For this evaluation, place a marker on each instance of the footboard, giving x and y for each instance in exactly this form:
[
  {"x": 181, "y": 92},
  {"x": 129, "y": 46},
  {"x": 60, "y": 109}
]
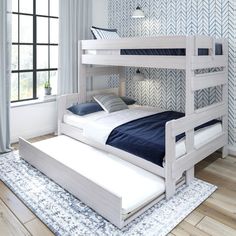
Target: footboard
[{"x": 176, "y": 167}]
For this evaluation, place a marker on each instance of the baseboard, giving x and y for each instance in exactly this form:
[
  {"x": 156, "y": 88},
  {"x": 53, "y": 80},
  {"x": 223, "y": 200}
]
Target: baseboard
[
  {"x": 28, "y": 135},
  {"x": 232, "y": 150}
]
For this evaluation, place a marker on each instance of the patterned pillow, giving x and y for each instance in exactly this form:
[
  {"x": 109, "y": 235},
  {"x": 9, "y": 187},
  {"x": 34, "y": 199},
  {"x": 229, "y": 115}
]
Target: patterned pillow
[
  {"x": 128, "y": 101},
  {"x": 110, "y": 102},
  {"x": 100, "y": 33}
]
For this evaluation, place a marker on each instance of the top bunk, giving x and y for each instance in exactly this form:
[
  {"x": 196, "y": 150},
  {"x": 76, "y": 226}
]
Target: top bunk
[{"x": 169, "y": 52}]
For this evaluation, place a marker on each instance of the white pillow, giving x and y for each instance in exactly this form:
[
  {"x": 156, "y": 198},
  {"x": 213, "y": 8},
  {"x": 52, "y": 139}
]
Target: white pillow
[{"x": 110, "y": 102}]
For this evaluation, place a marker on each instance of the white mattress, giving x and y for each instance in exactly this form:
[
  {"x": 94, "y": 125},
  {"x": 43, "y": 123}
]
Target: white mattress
[
  {"x": 115, "y": 118},
  {"x": 97, "y": 126},
  {"x": 134, "y": 185}
]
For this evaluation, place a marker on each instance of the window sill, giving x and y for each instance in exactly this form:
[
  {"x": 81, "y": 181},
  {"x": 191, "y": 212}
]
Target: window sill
[{"x": 45, "y": 99}]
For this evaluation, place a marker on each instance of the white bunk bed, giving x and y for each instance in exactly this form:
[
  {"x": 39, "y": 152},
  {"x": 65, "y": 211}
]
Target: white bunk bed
[{"x": 105, "y": 54}]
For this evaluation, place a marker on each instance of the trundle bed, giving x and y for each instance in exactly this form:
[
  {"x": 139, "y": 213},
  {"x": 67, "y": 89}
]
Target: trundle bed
[
  {"x": 180, "y": 156},
  {"x": 114, "y": 192}
]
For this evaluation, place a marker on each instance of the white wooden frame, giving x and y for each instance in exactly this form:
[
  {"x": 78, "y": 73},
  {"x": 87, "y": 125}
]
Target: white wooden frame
[
  {"x": 106, "y": 53},
  {"x": 174, "y": 168},
  {"x": 102, "y": 200}
]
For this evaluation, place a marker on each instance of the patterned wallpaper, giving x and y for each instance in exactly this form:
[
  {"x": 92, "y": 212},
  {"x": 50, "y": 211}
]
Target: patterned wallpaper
[{"x": 166, "y": 88}]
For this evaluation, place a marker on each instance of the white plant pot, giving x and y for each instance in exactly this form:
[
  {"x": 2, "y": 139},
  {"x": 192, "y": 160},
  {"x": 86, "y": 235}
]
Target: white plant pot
[{"x": 48, "y": 91}]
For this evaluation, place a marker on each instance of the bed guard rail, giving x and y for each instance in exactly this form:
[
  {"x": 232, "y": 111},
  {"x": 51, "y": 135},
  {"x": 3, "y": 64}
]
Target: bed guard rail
[
  {"x": 107, "y": 52},
  {"x": 176, "y": 167}
]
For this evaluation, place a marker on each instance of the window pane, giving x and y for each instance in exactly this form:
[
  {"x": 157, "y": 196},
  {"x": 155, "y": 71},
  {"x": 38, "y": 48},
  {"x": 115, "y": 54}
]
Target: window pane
[
  {"x": 26, "y": 57},
  {"x": 26, "y": 29},
  {"x": 54, "y": 27},
  {"x": 53, "y": 81},
  {"x": 15, "y": 5},
  {"x": 14, "y": 28},
  {"x": 54, "y": 8},
  {"x": 42, "y": 77},
  {"x": 42, "y": 7},
  {"x": 14, "y": 86},
  {"x": 42, "y": 30},
  {"x": 26, "y": 6},
  {"x": 42, "y": 57},
  {"x": 26, "y": 85},
  {"x": 14, "y": 57},
  {"x": 54, "y": 57}
]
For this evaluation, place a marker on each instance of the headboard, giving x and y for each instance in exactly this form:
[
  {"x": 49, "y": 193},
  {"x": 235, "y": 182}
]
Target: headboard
[{"x": 65, "y": 101}]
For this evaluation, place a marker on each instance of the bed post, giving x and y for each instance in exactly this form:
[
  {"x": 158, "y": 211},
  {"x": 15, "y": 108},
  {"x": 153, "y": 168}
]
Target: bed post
[
  {"x": 61, "y": 104},
  {"x": 189, "y": 99},
  {"x": 82, "y": 77},
  {"x": 170, "y": 182},
  {"x": 225, "y": 151},
  {"x": 122, "y": 88}
]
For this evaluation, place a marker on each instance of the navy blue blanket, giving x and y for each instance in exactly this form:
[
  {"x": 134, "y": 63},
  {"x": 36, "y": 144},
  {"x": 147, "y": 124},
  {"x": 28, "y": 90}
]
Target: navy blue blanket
[{"x": 145, "y": 137}]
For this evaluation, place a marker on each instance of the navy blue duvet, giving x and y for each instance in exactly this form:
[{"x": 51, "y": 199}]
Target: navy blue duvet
[{"x": 145, "y": 137}]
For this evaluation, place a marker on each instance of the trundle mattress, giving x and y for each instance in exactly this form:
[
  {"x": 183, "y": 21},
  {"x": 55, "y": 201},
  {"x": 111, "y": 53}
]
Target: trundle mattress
[{"x": 134, "y": 185}]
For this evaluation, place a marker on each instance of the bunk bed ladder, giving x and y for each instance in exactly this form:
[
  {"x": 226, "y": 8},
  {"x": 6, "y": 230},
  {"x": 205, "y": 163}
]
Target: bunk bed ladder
[{"x": 193, "y": 83}]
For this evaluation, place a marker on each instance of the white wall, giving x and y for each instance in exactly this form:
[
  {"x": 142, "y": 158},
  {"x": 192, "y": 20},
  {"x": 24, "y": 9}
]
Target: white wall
[
  {"x": 39, "y": 119},
  {"x": 33, "y": 120},
  {"x": 100, "y": 13},
  {"x": 100, "y": 19}
]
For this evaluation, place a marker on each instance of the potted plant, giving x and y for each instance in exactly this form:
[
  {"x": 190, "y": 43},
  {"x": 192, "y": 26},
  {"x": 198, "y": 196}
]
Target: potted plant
[{"x": 47, "y": 88}]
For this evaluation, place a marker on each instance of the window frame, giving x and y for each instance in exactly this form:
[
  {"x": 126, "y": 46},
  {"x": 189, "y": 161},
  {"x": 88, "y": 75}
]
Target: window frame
[{"x": 34, "y": 44}]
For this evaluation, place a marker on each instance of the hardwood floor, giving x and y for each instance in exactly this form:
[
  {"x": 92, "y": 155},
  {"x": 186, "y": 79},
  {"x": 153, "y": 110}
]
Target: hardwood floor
[{"x": 216, "y": 216}]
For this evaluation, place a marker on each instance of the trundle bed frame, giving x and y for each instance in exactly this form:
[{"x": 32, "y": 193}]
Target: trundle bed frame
[{"x": 105, "y": 54}]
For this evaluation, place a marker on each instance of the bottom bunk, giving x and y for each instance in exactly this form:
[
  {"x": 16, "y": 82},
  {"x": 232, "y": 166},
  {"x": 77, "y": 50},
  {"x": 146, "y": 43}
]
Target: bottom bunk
[
  {"x": 179, "y": 157},
  {"x": 139, "y": 130},
  {"x": 116, "y": 189}
]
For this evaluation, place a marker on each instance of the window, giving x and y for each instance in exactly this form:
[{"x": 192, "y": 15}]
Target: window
[{"x": 34, "y": 48}]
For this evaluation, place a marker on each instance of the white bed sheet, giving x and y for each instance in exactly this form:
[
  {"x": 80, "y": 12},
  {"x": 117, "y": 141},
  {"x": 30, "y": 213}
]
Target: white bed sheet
[
  {"x": 97, "y": 126},
  {"x": 134, "y": 185}
]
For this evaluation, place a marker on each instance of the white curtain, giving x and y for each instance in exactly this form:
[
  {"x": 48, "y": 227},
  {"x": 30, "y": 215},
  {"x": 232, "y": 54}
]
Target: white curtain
[
  {"x": 75, "y": 19},
  {"x": 5, "y": 74}
]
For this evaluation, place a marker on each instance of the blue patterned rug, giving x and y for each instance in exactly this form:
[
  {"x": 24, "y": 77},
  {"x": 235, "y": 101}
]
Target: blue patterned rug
[{"x": 66, "y": 215}]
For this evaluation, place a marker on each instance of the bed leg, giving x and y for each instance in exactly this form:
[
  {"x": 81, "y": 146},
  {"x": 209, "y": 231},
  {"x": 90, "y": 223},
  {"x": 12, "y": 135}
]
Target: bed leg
[
  {"x": 170, "y": 188},
  {"x": 225, "y": 151},
  {"x": 189, "y": 175},
  {"x": 58, "y": 128}
]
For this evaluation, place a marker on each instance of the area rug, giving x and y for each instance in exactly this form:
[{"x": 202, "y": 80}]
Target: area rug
[{"x": 66, "y": 215}]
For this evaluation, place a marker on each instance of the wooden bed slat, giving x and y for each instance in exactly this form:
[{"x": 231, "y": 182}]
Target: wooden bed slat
[
  {"x": 190, "y": 159},
  {"x": 214, "y": 106},
  {"x": 203, "y": 41},
  {"x": 191, "y": 121},
  {"x": 205, "y": 62},
  {"x": 208, "y": 80},
  {"x": 176, "y": 62},
  {"x": 135, "y": 43}
]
